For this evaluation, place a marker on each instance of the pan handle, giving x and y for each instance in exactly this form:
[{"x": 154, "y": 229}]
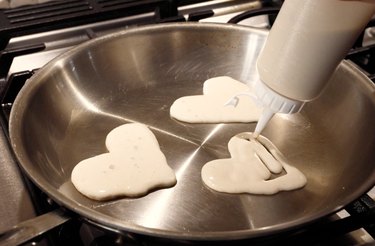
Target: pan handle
[{"x": 29, "y": 229}]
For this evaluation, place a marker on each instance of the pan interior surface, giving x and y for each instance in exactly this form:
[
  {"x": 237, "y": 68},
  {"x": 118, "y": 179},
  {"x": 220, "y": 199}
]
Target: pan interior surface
[{"x": 65, "y": 111}]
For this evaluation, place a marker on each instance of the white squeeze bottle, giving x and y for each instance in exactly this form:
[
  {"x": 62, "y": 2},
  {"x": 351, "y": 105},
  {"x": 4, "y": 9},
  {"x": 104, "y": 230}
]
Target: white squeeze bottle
[{"x": 306, "y": 43}]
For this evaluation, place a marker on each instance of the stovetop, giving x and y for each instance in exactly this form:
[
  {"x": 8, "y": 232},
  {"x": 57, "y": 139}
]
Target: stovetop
[{"x": 33, "y": 35}]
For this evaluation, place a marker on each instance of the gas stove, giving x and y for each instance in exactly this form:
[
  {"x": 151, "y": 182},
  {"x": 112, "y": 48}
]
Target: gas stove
[{"x": 33, "y": 35}]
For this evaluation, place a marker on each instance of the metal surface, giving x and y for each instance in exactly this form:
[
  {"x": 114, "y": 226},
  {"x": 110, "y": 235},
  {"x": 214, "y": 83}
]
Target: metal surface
[
  {"x": 13, "y": 194},
  {"x": 29, "y": 229},
  {"x": 66, "y": 109}
]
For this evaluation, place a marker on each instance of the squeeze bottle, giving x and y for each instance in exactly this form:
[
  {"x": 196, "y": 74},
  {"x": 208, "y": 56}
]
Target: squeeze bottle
[{"x": 305, "y": 45}]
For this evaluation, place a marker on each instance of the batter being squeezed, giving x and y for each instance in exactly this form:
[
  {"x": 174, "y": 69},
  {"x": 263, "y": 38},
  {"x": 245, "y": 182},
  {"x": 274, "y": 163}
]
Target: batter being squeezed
[{"x": 250, "y": 170}]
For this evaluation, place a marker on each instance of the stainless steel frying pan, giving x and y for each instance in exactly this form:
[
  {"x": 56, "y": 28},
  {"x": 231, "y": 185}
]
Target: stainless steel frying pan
[{"x": 64, "y": 112}]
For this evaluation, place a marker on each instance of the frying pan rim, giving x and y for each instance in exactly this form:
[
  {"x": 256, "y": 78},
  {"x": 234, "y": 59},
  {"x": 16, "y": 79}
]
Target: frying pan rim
[{"x": 108, "y": 221}]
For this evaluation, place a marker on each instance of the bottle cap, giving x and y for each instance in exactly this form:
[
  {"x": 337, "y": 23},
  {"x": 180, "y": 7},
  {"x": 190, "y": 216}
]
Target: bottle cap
[{"x": 275, "y": 102}]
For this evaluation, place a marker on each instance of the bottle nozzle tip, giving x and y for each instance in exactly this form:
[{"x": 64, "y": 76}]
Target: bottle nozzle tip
[{"x": 262, "y": 122}]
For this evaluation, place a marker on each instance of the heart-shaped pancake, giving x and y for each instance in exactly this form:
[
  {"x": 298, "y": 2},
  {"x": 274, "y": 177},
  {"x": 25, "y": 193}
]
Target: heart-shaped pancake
[{"x": 133, "y": 166}]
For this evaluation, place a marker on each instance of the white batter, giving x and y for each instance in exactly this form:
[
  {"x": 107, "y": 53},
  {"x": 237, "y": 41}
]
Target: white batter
[
  {"x": 249, "y": 170},
  {"x": 134, "y": 166},
  {"x": 210, "y": 107}
]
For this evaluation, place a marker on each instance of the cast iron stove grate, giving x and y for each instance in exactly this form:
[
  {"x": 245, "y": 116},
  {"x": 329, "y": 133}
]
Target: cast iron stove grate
[{"x": 61, "y": 14}]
